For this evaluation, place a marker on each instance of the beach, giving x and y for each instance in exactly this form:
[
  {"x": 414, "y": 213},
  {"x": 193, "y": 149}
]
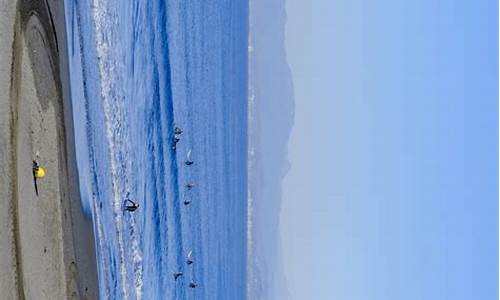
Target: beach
[{"x": 47, "y": 248}]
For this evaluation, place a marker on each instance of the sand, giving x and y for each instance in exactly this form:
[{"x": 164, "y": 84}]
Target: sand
[{"x": 47, "y": 246}]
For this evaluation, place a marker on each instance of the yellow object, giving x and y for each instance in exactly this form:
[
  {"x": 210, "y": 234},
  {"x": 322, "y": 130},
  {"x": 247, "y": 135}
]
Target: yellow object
[{"x": 39, "y": 172}]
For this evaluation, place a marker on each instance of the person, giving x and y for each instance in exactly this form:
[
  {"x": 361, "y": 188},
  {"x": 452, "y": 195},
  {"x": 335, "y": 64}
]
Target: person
[
  {"x": 187, "y": 201},
  {"x": 177, "y": 275},
  {"x": 192, "y": 285},
  {"x": 38, "y": 172},
  {"x": 177, "y": 131},
  {"x": 131, "y": 206},
  {"x": 190, "y": 185}
]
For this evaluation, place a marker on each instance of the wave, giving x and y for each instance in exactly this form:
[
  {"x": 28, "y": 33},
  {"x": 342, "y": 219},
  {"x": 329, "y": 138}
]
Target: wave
[
  {"x": 270, "y": 91},
  {"x": 111, "y": 71},
  {"x": 136, "y": 259}
]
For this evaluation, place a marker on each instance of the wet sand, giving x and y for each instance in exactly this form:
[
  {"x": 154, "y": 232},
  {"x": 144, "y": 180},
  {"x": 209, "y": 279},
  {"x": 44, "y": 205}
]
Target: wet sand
[{"x": 47, "y": 246}]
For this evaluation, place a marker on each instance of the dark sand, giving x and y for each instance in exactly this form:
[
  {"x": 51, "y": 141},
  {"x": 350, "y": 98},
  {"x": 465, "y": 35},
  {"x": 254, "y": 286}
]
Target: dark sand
[{"x": 47, "y": 246}]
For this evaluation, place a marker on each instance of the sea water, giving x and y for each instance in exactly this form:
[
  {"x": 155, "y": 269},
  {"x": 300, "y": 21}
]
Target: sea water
[{"x": 137, "y": 70}]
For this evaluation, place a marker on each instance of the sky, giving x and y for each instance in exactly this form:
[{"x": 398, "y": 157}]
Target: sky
[{"x": 393, "y": 186}]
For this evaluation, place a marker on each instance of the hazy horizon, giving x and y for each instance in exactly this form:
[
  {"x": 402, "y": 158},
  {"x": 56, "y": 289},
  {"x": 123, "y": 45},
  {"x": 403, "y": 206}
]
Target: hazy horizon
[
  {"x": 271, "y": 111},
  {"x": 393, "y": 187}
]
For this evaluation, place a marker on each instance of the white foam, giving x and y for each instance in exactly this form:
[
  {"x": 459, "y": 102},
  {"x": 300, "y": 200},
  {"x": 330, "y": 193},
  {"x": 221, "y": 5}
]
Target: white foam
[
  {"x": 103, "y": 18},
  {"x": 137, "y": 261}
]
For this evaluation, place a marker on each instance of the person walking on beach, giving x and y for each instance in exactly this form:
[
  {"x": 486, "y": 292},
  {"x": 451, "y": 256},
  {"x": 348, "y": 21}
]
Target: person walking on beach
[{"x": 38, "y": 172}]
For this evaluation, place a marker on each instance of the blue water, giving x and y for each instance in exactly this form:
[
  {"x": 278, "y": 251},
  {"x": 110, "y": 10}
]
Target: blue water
[{"x": 137, "y": 69}]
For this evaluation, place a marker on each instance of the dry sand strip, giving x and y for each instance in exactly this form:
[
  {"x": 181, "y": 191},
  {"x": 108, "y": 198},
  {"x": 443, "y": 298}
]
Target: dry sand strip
[
  {"x": 47, "y": 246},
  {"x": 8, "y": 274}
]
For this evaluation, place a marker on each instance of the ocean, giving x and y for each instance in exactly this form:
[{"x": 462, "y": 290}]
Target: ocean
[{"x": 138, "y": 69}]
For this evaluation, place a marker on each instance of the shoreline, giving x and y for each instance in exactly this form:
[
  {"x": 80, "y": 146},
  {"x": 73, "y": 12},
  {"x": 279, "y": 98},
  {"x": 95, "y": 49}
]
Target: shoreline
[{"x": 47, "y": 249}]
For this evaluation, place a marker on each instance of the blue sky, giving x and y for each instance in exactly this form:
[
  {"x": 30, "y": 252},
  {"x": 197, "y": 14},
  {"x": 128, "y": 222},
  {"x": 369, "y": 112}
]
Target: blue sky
[{"x": 393, "y": 190}]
